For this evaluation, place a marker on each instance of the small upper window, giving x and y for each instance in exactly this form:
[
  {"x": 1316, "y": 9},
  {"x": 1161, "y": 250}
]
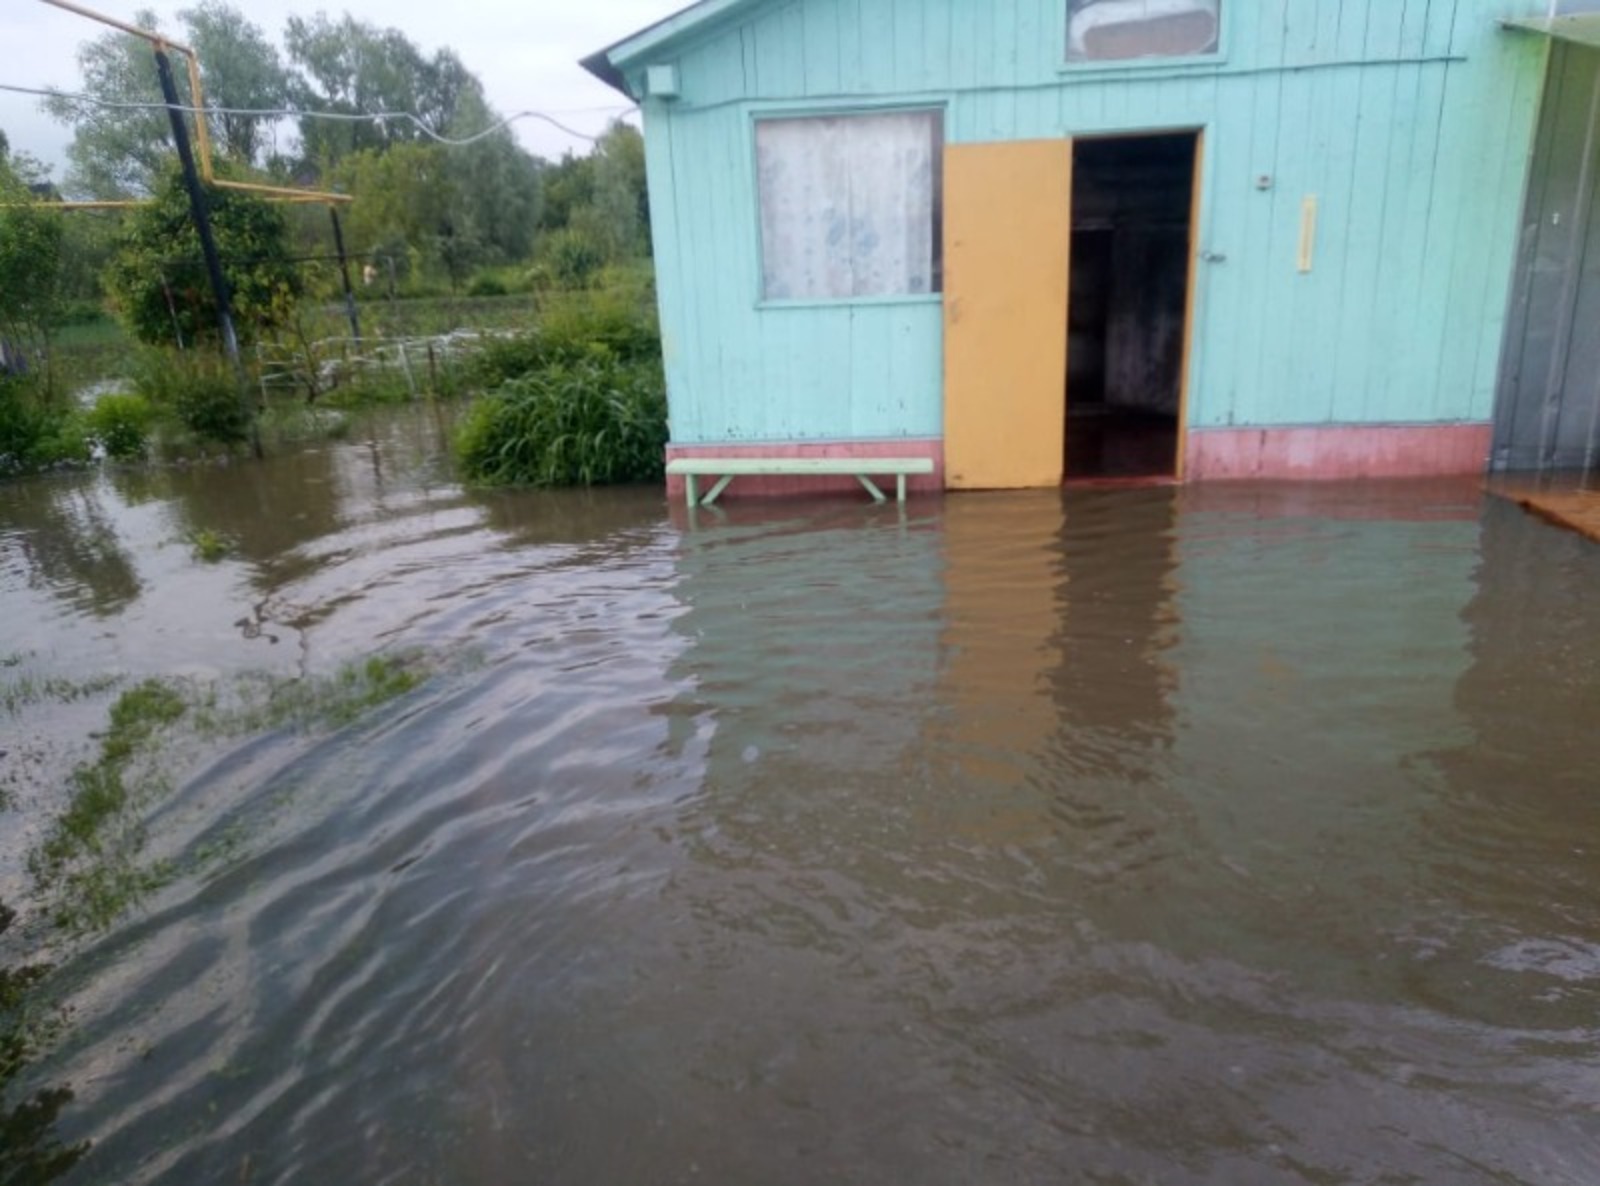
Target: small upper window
[
  {"x": 1122, "y": 30},
  {"x": 850, "y": 205}
]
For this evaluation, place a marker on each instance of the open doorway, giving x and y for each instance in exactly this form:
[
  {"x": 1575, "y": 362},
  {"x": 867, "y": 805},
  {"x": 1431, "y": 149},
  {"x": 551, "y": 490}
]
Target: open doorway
[{"x": 1132, "y": 228}]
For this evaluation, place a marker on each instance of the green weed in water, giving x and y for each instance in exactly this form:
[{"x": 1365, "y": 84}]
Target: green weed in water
[
  {"x": 88, "y": 858},
  {"x": 340, "y": 699},
  {"x": 209, "y": 546},
  {"x": 91, "y": 863},
  {"x": 21, "y": 691}
]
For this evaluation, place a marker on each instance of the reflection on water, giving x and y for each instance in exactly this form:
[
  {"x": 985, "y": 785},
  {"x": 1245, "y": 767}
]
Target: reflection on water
[
  {"x": 1188, "y": 837},
  {"x": 56, "y": 538}
]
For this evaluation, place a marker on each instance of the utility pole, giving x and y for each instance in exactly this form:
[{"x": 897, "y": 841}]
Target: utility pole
[
  {"x": 208, "y": 243},
  {"x": 344, "y": 274}
]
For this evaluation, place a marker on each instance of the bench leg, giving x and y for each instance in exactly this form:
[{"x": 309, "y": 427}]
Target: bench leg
[
  {"x": 716, "y": 491},
  {"x": 691, "y": 489},
  {"x": 872, "y": 489}
]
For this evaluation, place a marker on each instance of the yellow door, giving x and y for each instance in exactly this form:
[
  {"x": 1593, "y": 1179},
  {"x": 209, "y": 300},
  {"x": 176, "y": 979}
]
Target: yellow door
[{"x": 1007, "y": 243}]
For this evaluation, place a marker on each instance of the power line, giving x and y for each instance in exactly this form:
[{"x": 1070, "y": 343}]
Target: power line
[{"x": 377, "y": 117}]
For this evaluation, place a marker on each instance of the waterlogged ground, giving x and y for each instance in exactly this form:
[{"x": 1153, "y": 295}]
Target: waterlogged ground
[{"x": 1220, "y": 836}]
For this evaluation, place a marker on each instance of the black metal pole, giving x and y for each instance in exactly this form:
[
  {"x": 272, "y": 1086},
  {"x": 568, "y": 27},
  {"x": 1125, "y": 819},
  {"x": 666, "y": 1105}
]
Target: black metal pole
[
  {"x": 344, "y": 274},
  {"x": 208, "y": 243}
]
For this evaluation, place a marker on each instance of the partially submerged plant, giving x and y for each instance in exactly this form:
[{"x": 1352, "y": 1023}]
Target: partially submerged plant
[
  {"x": 209, "y": 546},
  {"x": 583, "y": 424}
]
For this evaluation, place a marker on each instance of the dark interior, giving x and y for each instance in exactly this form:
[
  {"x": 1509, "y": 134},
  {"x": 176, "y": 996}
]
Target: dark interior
[{"x": 1132, "y": 200}]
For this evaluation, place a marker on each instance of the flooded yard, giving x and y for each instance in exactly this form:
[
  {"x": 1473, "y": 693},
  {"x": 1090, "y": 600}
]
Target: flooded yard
[{"x": 1227, "y": 835}]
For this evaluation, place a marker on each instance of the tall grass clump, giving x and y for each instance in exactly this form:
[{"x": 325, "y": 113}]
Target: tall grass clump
[
  {"x": 198, "y": 389},
  {"x": 589, "y": 423},
  {"x": 580, "y": 401}
]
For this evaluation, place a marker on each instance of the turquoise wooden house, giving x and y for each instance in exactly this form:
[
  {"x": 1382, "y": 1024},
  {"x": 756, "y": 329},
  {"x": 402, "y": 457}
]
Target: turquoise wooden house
[{"x": 1035, "y": 240}]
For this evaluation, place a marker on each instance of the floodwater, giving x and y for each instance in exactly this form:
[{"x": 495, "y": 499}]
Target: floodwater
[{"x": 1221, "y": 836}]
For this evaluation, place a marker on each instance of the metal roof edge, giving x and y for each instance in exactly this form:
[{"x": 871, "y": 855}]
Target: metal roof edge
[{"x": 607, "y": 64}]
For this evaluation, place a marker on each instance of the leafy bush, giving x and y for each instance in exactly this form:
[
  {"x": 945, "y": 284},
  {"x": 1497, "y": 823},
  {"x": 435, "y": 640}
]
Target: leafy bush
[
  {"x": 590, "y": 422},
  {"x": 487, "y": 284},
  {"x": 121, "y": 423},
  {"x": 34, "y": 431},
  {"x": 197, "y": 389},
  {"x": 158, "y": 280},
  {"x": 605, "y": 328}
]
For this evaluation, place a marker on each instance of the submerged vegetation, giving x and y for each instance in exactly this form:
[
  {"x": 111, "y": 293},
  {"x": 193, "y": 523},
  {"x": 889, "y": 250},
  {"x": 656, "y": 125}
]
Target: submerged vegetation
[
  {"x": 87, "y": 862},
  {"x": 93, "y": 863},
  {"x": 209, "y": 546}
]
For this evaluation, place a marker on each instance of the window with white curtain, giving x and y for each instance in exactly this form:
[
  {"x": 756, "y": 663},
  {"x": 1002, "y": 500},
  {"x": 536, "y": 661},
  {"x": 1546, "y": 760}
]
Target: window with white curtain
[
  {"x": 1123, "y": 30},
  {"x": 850, "y": 205}
]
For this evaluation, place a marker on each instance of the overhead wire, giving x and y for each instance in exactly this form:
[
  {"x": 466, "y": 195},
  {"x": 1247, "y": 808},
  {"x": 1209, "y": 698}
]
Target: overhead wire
[{"x": 377, "y": 117}]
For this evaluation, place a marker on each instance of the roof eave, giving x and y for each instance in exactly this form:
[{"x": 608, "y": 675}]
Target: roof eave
[
  {"x": 599, "y": 64},
  {"x": 609, "y": 63}
]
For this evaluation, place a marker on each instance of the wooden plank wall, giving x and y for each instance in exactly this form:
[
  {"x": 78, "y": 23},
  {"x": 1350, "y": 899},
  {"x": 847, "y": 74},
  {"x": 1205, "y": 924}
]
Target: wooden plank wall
[{"x": 1410, "y": 121}]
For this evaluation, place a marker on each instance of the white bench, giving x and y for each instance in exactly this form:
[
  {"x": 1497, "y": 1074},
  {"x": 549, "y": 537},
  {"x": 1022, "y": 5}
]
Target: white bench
[{"x": 862, "y": 469}]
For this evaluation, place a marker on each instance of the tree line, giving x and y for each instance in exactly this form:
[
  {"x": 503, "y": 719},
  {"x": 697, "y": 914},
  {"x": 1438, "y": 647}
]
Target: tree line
[{"x": 426, "y": 208}]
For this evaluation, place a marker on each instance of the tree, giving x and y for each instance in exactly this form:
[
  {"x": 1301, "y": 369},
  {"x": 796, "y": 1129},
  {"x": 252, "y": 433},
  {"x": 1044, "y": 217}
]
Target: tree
[
  {"x": 158, "y": 280},
  {"x": 116, "y": 152},
  {"x": 403, "y": 196},
  {"x": 499, "y": 185},
  {"x": 30, "y": 268},
  {"x": 621, "y": 198},
  {"x": 351, "y": 67},
  {"x": 240, "y": 71},
  {"x": 120, "y": 152}
]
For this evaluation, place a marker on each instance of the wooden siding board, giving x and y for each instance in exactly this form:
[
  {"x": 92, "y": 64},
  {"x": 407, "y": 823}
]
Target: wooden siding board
[
  {"x": 668, "y": 243},
  {"x": 824, "y": 63},
  {"x": 1367, "y": 200}
]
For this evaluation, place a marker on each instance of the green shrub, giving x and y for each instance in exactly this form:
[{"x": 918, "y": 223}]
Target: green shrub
[
  {"x": 198, "y": 389},
  {"x": 36, "y": 432},
  {"x": 603, "y": 329},
  {"x": 159, "y": 283},
  {"x": 487, "y": 285},
  {"x": 571, "y": 258},
  {"x": 121, "y": 423},
  {"x": 592, "y": 422},
  {"x": 65, "y": 440}
]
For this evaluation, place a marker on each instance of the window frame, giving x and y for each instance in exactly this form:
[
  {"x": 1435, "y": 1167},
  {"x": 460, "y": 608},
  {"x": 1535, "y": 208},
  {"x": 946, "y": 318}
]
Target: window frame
[
  {"x": 937, "y": 106},
  {"x": 1189, "y": 63}
]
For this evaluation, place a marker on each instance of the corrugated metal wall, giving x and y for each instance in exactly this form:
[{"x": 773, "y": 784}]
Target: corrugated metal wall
[
  {"x": 1411, "y": 122},
  {"x": 1549, "y": 411}
]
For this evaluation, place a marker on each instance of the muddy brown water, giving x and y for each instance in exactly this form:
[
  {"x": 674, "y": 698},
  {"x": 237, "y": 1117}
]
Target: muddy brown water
[{"x": 1215, "y": 836}]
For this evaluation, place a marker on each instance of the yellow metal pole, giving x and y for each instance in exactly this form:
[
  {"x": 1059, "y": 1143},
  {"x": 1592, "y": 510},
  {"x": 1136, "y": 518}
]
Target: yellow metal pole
[
  {"x": 198, "y": 103},
  {"x": 153, "y": 38},
  {"x": 202, "y": 133},
  {"x": 288, "y": 195}
]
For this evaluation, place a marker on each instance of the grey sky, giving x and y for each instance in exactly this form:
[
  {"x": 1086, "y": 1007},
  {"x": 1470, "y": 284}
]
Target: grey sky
[{"x": 525, "y": 51}]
